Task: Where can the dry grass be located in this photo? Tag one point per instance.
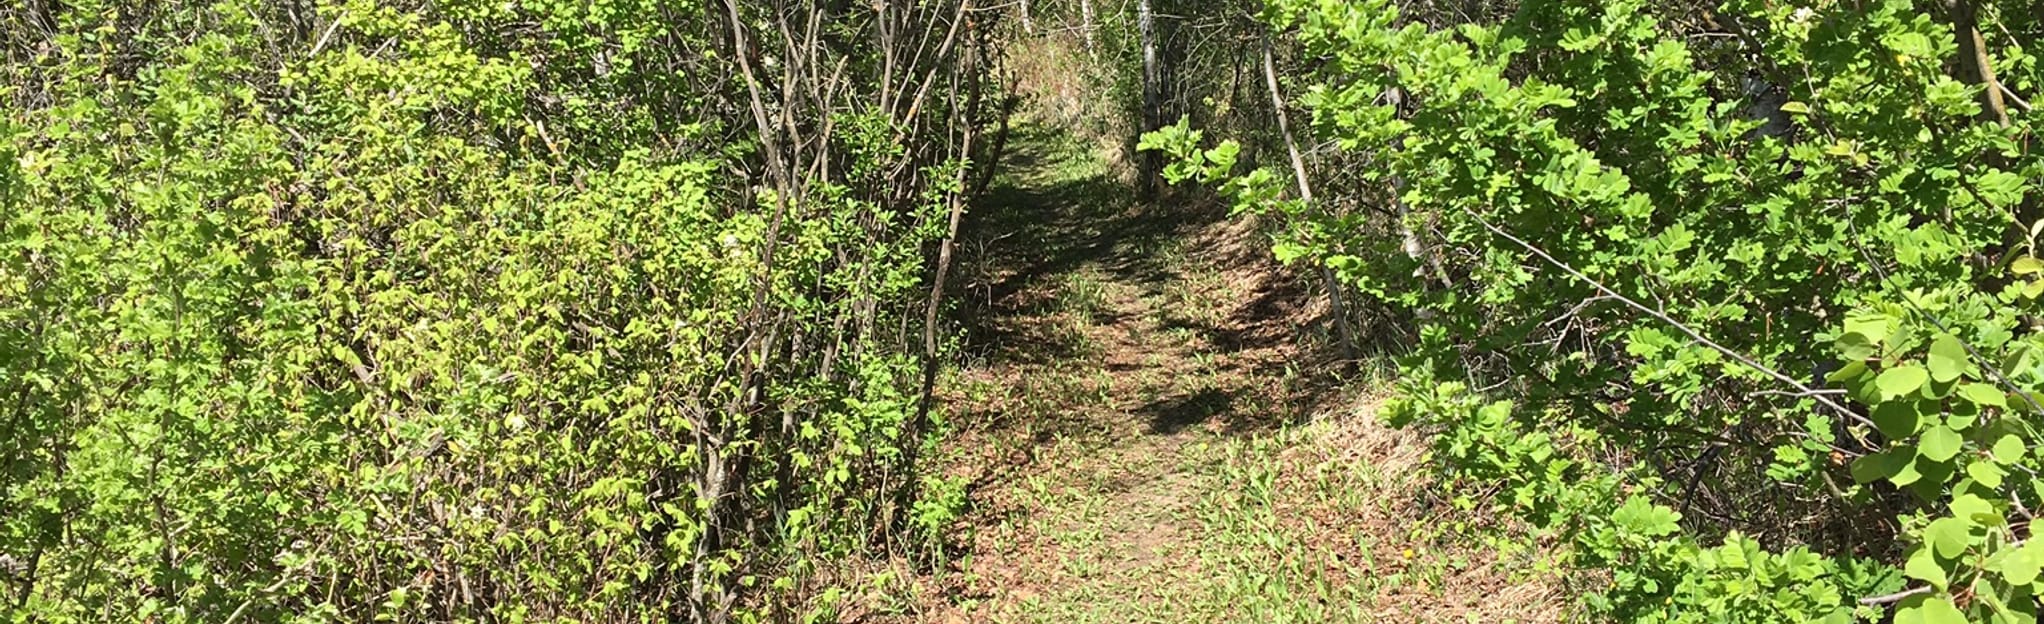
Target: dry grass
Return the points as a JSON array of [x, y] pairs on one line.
[[1348, 480]]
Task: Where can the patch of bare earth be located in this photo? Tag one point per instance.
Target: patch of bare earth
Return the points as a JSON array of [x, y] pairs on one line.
[[1152, 433]]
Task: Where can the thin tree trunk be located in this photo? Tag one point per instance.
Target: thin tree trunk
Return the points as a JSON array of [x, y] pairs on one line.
[[1407, 239], [1146, 25], [1277, 105], [1086, 23], [1973, 56], [910, 489]]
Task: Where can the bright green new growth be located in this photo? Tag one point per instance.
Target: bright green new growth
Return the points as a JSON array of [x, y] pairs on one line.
[[448, 311], [1596, 181], [631, 310]]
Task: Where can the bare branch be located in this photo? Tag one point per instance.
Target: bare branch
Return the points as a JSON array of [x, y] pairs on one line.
[[1694, 335], [1894, 597]]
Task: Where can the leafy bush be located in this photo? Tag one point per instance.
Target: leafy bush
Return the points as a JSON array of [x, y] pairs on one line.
[[1609, 523], [1757, 260], [449, 311]]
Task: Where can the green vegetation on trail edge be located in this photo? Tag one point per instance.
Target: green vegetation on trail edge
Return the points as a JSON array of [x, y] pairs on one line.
[[1757, 277], [469, 310], [673, 311]]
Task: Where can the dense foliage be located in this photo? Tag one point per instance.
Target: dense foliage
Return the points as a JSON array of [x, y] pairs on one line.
[[362, 310], [1756, 275]]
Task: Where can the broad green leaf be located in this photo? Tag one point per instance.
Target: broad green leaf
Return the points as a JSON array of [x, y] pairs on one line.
[[1929, 610], [1854, 347], [1896, 419], [1948, 359], [2018, 356], [1960, 415], [1949, 537], [1880, 466], [1983, 395], [2026, 265], [1874, 327], [2009, 449], [1922, 565], [1900, 381], [1986, 473], [2021, 564], [1975, 510], [1939, 443], [1930, 477]]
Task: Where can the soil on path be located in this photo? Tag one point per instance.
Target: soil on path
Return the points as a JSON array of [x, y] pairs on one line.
[[1132, 422]]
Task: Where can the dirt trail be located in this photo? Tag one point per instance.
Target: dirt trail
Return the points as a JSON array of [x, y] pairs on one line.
[[1121, 342], [1131, 425]]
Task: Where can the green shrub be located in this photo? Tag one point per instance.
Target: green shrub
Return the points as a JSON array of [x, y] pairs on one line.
[[1772, 240], [450, 311]]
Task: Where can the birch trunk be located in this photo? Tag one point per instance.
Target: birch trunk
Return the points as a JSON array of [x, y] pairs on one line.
[[1086, 23], [1335, 305], [1146, 25]]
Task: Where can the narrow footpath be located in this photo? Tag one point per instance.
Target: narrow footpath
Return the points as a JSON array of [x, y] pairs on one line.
[[1151, 432]]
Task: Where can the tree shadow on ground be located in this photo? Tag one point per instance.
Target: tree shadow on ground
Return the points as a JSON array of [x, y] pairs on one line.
[[1056, 214], [1174, 414], [1108, 340], [1045, 217]]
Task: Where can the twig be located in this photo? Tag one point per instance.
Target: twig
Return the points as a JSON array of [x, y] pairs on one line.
[[324, 37], [1812, 393], [1572, 312], [1797, 394], [2018, 100], [1894, 597]]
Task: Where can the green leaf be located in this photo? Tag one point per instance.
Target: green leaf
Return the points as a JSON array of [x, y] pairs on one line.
[[1795, 107], [1928, 477], [1949, 537], [1643, 517], [345, 355], [1875, 327], [2009, 449], [1939, 443], [1852, 369], [1999, 188], [2023, 562], [1959, 415], [1984, 395], [1923, 566], [1911, 43], [1900, 381], [1853, 347], [1929, 610], [1896, 419], [1975, 510], [2026, 265], [1986, 473], [1948, 359], [1880, 466], [2018, 356]]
